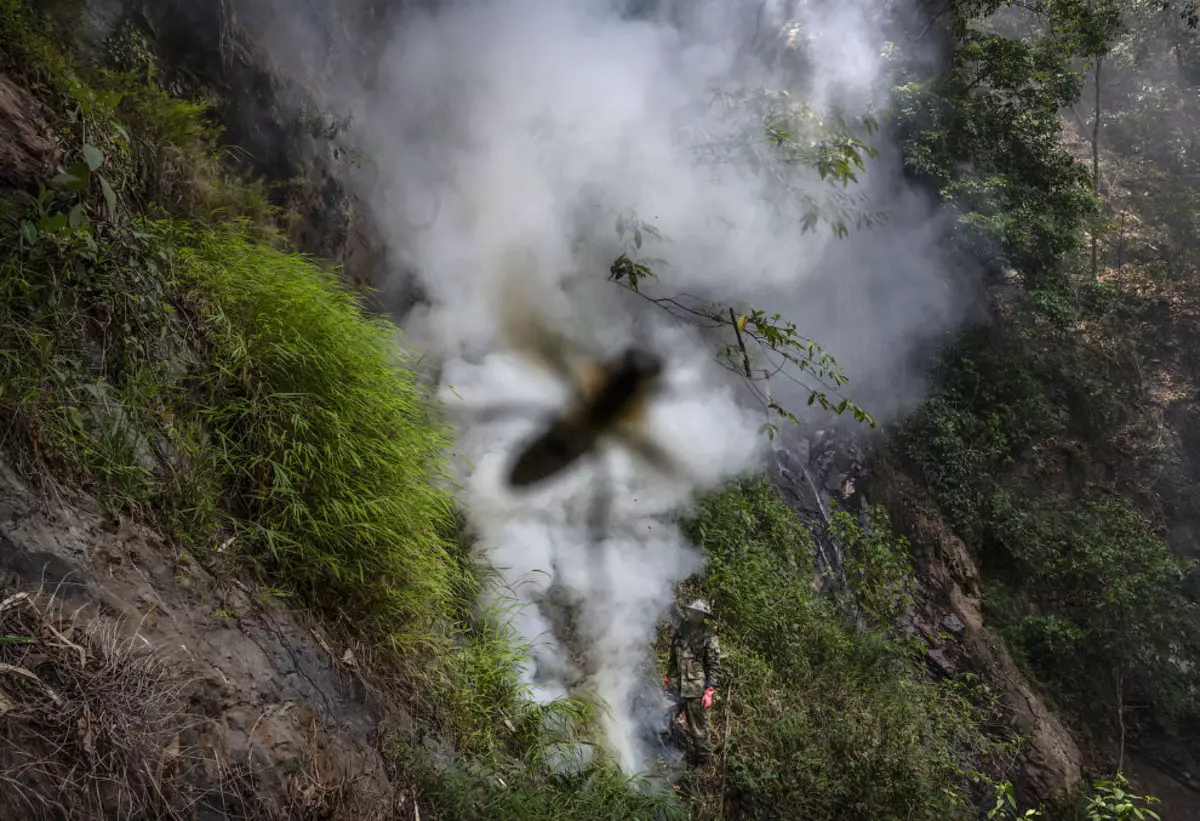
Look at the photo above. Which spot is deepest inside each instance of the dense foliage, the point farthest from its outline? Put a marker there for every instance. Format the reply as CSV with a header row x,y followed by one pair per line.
x,y
986,133
1043,444
818,717
1110,597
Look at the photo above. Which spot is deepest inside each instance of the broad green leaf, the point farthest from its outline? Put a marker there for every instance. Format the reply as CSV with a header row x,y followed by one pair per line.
x,y
74,178
93,156
110,196
75,417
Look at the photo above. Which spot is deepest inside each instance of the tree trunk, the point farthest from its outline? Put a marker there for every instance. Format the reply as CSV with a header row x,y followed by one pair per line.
x,y
1096,172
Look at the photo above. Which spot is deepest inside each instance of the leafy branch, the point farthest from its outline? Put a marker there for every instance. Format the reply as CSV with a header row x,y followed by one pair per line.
x,y
772,342
797,154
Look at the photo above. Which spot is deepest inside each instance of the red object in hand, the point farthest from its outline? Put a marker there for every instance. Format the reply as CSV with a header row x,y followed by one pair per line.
x,y
707,701
666,684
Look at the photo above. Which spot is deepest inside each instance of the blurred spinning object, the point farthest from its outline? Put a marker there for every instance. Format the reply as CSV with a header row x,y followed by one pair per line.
x,y
609,397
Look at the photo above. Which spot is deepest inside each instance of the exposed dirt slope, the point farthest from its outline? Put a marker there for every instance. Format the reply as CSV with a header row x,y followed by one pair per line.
x,y
257,719
26,155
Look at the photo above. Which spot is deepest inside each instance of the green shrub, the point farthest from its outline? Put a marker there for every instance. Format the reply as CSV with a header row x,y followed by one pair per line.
x,y
989,410
597,792
1089,596
878,567
1110,598
820,720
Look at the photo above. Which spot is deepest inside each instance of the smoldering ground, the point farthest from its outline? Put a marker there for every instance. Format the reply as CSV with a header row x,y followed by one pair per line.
x,y
501,124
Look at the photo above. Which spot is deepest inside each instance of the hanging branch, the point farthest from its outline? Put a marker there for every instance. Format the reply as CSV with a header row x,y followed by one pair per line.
x,y
794,152
737,329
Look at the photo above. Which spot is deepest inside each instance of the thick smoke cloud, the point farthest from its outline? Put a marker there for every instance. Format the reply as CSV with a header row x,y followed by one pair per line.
x,y
497,125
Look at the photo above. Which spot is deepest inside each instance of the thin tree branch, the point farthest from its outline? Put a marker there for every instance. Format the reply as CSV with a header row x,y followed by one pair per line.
x,y
741,344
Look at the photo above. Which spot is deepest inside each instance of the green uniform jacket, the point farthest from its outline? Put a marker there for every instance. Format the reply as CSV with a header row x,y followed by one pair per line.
x,y
694,662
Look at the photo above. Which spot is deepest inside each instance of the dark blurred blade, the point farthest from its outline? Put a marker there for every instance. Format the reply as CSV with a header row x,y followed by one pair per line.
x,y
525,325
638,440
495,411
552,451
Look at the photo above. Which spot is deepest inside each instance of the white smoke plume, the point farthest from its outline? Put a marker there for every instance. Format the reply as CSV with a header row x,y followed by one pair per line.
x,y
501,124
619,582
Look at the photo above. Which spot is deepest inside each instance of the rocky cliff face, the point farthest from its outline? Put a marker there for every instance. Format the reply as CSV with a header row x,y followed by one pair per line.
x,y
950,618
259,65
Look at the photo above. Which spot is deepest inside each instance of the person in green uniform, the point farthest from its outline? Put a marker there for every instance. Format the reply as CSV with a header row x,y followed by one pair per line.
x,y
693,671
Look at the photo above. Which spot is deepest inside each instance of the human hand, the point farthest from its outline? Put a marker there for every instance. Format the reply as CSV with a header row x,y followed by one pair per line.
x,y
707,701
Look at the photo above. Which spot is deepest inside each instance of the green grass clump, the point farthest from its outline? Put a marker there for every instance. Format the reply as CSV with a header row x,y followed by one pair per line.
x,y
551,780
596,793
820,718
204,380
321,435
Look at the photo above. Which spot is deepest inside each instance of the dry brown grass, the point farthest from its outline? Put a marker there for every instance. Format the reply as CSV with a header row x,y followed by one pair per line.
x,y
93,726
85,716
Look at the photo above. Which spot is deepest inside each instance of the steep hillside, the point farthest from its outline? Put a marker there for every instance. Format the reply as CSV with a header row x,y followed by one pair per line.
x,y
242,573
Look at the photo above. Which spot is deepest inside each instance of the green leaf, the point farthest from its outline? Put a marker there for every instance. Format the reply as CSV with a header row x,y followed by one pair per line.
x,y
75,218
110,196
75,417
29,232
74,178
93,156
109,100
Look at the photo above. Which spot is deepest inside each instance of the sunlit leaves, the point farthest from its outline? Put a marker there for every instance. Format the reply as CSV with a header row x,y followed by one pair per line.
x,y
1112,800
810,167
